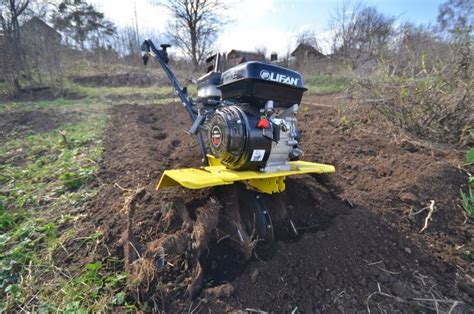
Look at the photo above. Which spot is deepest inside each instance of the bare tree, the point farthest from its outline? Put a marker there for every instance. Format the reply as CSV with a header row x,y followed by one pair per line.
x,y
342,23
125,42
13,56
261,50
195,26
456,16
308,38
39,8
360,33
417,48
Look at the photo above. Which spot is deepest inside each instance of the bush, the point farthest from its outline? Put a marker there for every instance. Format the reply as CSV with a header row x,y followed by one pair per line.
x,y
434,103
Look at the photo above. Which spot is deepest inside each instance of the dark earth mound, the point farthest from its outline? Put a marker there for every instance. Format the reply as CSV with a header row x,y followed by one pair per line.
x,y
22,122
39,94
117,80
359,248
117,98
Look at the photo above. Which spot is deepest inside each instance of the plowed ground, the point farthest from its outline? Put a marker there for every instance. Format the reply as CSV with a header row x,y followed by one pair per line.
x,y
360,246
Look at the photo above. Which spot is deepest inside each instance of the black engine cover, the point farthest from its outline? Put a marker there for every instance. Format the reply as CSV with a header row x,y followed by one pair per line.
x,y
235,140
257,82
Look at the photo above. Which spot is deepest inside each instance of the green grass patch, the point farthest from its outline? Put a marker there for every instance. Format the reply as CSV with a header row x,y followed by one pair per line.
x,y
92,289
44,177
89,106
325,84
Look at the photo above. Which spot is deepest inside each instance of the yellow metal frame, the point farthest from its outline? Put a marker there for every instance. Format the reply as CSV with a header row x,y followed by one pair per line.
x,y
216,174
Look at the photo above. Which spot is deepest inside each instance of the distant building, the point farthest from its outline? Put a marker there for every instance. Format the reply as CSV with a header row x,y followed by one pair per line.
x,y
42,45
305,51
38,29
234,56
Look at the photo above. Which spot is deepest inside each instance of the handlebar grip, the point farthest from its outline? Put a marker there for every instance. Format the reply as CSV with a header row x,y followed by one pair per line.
x,y
165,46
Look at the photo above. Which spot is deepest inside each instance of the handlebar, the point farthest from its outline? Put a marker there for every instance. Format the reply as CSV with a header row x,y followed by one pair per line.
x,y
161,55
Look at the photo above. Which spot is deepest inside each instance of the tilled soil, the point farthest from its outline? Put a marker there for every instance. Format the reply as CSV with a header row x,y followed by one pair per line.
x,y
360,246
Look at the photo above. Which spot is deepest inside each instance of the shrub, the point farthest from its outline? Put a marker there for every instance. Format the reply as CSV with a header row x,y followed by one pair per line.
x,y
434,103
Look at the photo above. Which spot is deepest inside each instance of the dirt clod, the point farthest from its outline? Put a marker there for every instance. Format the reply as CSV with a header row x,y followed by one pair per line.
x,y
254,275
222,291
408,197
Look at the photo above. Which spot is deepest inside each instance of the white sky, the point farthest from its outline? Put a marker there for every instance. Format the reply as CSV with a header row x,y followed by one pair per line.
x,y
273,24
245,32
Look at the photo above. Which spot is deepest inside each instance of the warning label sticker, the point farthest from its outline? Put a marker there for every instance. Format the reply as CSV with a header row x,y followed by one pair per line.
x,y
257,155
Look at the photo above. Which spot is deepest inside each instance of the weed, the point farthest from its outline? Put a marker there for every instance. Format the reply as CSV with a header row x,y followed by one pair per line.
x,y
119,298
72,181
470,156
65,218
468,255
467,202
467,199
345,121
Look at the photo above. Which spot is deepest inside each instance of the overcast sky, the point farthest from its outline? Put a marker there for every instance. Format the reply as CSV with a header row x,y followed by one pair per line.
x,y
273,24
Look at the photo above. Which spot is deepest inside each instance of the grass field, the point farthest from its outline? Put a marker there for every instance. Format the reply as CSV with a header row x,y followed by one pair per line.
x,y
325,84
45,180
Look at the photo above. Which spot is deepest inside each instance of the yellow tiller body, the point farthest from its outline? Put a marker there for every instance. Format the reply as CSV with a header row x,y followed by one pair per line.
x,y
216,174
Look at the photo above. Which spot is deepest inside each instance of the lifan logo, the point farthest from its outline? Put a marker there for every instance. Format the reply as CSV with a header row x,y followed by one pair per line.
x,y
277,77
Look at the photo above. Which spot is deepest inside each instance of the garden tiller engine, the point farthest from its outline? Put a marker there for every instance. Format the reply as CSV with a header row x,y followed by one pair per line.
x,y
245,121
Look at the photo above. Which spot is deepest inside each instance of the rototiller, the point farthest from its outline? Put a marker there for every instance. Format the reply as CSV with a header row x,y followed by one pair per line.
x,y
245,121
